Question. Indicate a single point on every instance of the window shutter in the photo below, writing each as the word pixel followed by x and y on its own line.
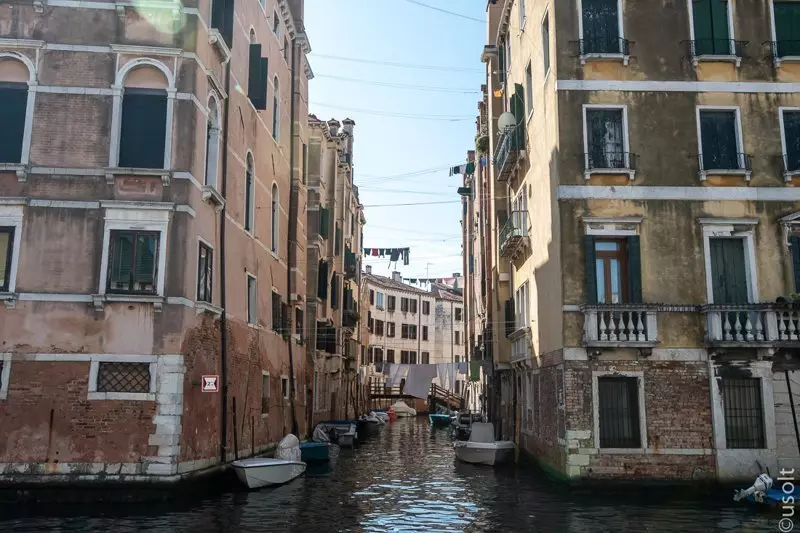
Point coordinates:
pixel 256 84
pixel 262 91
pixel 791 127
pixel 144 128
pixel 719 22
pixel 787 28
pixel 13 104
pixel 634 270
pixel 794 242
pixel 322 280
pixel 589 265
pixel 501 63
pixel 146 253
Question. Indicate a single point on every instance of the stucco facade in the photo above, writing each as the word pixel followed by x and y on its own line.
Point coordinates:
pixel 154 237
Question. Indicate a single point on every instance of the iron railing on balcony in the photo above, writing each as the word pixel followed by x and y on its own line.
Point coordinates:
pixel 602 158
pixel 511 141
pixel 514 231
pixel 620 325
pixel 604 46
pixel 784 48
pixel 721 160
pixel 699 48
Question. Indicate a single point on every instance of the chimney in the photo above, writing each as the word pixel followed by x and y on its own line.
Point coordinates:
pixel 397 277
pixel 456 274
pixel 368 269
pixel 333 127
pixel 347 126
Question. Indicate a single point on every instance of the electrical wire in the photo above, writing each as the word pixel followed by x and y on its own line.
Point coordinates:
pixel 399 65
pixel 443 118
pixel 445 11
pixel 413 203
pixel 399 85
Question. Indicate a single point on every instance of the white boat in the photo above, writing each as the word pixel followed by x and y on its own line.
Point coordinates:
pixel 403 410
pixel 262 472
pixel 481 448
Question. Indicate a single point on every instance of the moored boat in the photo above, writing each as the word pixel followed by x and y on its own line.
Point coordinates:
pixel 341 432
pixel 481 448
pixel 260 472
pixel 763 494
pixel 439 419
pixel 315 452
pixel 403 410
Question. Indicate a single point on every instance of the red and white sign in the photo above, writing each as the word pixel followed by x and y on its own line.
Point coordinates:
pixel 210 383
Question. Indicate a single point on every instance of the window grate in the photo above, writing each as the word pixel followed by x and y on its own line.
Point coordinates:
pixel 123 377
pixel 744 419
pixel 618 399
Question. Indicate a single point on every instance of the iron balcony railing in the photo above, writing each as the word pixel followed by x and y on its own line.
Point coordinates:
pixel 602 158
pixel 604 45
pixel 784 48
pixel 511 141
pixel 720 160
pixel 515 228
pixel 716 47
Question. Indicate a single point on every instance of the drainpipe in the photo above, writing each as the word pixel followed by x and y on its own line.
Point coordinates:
pixel 223 319
pixel 292 233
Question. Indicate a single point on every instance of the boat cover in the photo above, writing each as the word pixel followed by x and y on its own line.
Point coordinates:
pixel 402 407
pixel 288 449
pixel 482 432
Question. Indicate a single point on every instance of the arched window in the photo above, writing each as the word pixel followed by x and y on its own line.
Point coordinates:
pixel 212 142
pixel 143 132
pixel 249 195
pixel 276 110
pixel 276 213
pixel 14 140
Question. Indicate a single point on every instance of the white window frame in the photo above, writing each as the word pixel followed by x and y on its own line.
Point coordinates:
pixel 380 300
pixel 21 168
pixel 211 177
pixel 276 25
pixel 774 36
pixel 639 375
pixel 202 241
pixel 11 217
pixel 529 90
pixel 135 216
pixel 5 375
pixel 725 228
pixel 787 175
pixel 265 374
pixel 523 16
pixel 588 57
pixel 626 140
pixel 288 387
pixel 549 41
pixel 732 57
pixel 703 173
pixel 248 276
pixel 94 368
pixel 276 115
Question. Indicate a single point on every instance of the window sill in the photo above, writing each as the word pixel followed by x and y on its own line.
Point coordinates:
pixel 99 300
pixel 215 39
pixel 212 195
pixel 519 333
pixel 275 255
pixel 9 298
pixel 18 168
pixel 587 174
pixel 112 173
pixel 207 307
pixel 778 61
pixel 124 396
pixel 624 58
pixel 704 174
pixel 727 58
pixel 790 174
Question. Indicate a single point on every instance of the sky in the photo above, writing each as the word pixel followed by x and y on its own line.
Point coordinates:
pixel 405 139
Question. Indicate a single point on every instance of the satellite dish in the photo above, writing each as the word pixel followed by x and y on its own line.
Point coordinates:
pixel 506 120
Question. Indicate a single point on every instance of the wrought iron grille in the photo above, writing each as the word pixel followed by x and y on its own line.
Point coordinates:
pixel 744 412
pixel 619 412
pixel 123 377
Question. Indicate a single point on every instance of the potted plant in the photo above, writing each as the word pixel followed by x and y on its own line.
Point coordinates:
pixel 482 144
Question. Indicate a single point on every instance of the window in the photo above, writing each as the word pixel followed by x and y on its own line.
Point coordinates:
pixel 403 357
pixel 143 133
pixel 458 311
pixel 390 356
pixel 528 90
pixel 276 213
pixel 613 270
pixel 276 24
pixel 787 29
pixel 546 44
pixel 729 278
pixel 257 77
pixel 404 334
pixel 711 32
pixel 521 306
pixel 412 331
pixel 304 162
pixel 744 412
pixel 404 305
pixel 426 307
pixel 371 297
pixel 285 387
pixel 212 142
pixel 264 393
pixel 379 300
pixel 457 337
pixel 605 138
pixel 391 303
pixel 522 15
pixel 286 50
pixel 790 119
pixel 133 262
pixel 412 358
pixel 252 301
pixel 335 291
pixel 298 321
pixel 377 355
pixel 13 109
pixel 276 110
pixel 458 388
pixel 601 27
pixel 6 256
pixel 390 329
pixel 205 269
pixel 426 358
pixel 322 280
pixel 618 412
pixel 379 328
pixel 413 304
pixel 424 333
pixel 123 377
pixel 249 195
pixel 720 140
pixel 337 240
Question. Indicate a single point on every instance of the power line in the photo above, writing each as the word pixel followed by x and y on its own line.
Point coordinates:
pixel 445 11
pixel 445 118
pixel 405 191
pixel 400 65
pixel 413 203
pixel 406 230
pixel 399 85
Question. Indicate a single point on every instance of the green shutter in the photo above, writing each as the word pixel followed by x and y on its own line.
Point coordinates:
pixel 13 105
pixel 257 78
pixel 719 146
pixel 121 260
pixel 703 27
pixel 146 255
pixel 501 63
pixel 728 275
pixel 322 280
pixel 144 128
pixel 791 129
pixel 589 266
pixel 634 270
pixel 795 246
pixel 787 28
pixel 719 20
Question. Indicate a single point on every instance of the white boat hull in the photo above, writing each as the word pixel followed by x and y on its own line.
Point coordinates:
pixel 484 453
pixel 257 473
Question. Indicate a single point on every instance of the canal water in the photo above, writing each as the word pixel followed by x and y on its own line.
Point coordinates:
pixel 406 479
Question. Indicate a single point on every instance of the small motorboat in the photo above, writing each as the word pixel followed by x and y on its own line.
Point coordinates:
pixel 341 432
pixel 403 410
pixel 383 416
pixel 481 448
pixel 761 493
pixel 439 419
pixel 371 424
pixel 461 424
pixel 315 452
pixel 258 472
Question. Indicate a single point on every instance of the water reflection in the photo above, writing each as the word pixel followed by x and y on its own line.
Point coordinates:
pixel 405 479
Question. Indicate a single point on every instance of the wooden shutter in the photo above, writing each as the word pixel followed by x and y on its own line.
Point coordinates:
pixel 787 28
pixel 501 63
pixel 589 266
pixel 257 78
pixel 634 270
pixel 144 128
pixel 510 322
pixel 335 291
pixel 719 22
pixel 794 242
pixel 791 130
pixel 718 130
pixel 121 260
pixel 222 19
pixel 13 105
pixel 322 280
pixel 146 256
pixel 729 278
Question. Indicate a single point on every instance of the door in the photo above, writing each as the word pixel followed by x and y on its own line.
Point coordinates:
pixel 728 274
pixel 600 27
pixel 711 32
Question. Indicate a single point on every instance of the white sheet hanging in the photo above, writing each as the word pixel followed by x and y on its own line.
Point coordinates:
pixel 418 382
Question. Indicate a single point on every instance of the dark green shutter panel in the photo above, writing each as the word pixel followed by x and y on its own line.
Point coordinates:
pixel 144 128
pixel 787 28
pixel 146 254
pixel 634 270
pixel 589 266
pixel 322 280
pixel 264 77
pixel 518 109
pixel 501 63
pixel 222 19
pixel 729 278
pixel 600 26
pixel 719 21
pixel 795 247
pixel 13 105
pixel 335 291
pixel 718 131
pixel 703 32
pixel 255 83
pixel 791 127
pixel 122 259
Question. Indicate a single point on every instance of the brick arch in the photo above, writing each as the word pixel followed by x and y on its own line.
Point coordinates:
pixel 141 62
pixel 25 60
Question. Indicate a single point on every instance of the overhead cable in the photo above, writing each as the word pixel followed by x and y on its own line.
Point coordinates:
pixel 443 118
pixel 400 65
pixel 445 11
pixel 400 85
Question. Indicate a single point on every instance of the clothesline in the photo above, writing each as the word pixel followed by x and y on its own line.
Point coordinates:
pixel 395 254
pixel 418 377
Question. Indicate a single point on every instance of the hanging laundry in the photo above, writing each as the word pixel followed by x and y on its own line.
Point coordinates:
pixel 406 256
pixel 418 382
pixel 366 251
pixel 475 370
pixel 395 255
pixel 397 373
pixel 374 252
pixel 443 373
pixel 463 368
pixel 458 169
pixel 381 252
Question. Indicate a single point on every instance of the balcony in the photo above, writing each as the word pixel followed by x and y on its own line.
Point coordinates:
pixel 509 147
pixel 752 325
pixel 722 50
pixel 350 318
pixel 791 164
pixel 604 161
pixel 604 48
pixel 514 235
pixel 720 163
pixel 784 51
pixel 620 325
